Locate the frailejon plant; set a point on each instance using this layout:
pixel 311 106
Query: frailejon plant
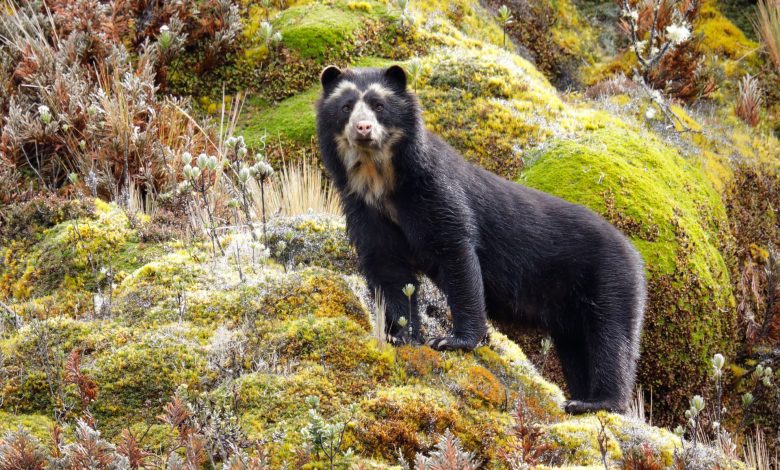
pixel 201 179
pixel 692 414
pixel 760 380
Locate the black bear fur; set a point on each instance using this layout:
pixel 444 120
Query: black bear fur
pixel 496 249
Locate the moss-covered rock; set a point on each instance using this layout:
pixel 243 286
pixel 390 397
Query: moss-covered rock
pixel 311 240
pixel 314 28
pixel 677 222
pixel 138 377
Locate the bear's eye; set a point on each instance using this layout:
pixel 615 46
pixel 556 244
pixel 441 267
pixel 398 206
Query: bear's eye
pixel 379 107
pixel 347 108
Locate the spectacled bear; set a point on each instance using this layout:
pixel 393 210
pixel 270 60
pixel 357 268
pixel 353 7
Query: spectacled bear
pixel 495 248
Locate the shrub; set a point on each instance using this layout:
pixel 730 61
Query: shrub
pixel 81 103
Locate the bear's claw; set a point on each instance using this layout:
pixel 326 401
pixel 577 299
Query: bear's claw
pixel 449 343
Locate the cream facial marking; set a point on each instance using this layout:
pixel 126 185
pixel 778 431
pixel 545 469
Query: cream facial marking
pixel 341 88
pixel 381 91
pixel 370 172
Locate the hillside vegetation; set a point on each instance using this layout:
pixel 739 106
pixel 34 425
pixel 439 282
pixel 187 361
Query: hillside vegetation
pixel 177 289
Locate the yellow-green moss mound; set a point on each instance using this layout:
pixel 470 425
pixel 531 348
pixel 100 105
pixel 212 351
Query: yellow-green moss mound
pixel 260 347
pixel 677 222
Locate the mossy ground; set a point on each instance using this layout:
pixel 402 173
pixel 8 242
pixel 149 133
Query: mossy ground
pixel 302 332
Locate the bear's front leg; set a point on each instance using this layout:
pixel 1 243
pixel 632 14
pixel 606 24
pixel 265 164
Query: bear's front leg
pixel 386 262
pixel 461 279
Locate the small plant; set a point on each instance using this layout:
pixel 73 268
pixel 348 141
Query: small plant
pixel 692 414
pixel 603 439
pixel 301 188
pixel 408 291
pixel 760 378
pixel 20 450
pixel 749 100
pixel 768 27
pixel 505 18
pixel 448 454
pixel 268 36
pixel 131 449
pixel 202 178
pixel 86 387
pixel 717 362
pixel 414 70
pixel 660 37
pixel 263 172
pixel 380 316
pixel 324 436
pixel 405 18
pixel 529 447
pixel 546 347
pixel 642 458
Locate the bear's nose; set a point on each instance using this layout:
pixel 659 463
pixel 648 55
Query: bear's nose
pixel 363 127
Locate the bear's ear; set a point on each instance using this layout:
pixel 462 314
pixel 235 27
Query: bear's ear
pixel 396 76
pixel 329 77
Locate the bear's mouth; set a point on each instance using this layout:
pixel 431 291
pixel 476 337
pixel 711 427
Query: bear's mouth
pixel 365 142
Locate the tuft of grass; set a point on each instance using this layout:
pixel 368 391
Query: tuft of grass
pixel 756 453
pixel 380 309
pixel 749 100
pixel 768 27
pixel 300 188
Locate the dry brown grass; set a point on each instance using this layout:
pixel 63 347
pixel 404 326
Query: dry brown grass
pixel 767 26
pixel 299 188
pixel 749 99
pixel 756 453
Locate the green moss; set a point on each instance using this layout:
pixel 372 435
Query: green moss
pixel 38 425
pixel 34 355
pixel 137 378
pixel 577 438
pixel 720 36
pixel 312 292
pixel 314 29
pixel 489 104
pixel 677 222
pixel 405 418
pixel 163 283
pixel 292 118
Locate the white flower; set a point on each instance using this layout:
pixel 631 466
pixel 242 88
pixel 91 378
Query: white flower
pixel 633 14
pixel 45 113
pixel 677 34
pixel 654 51
pixel 656 96
pixel 650 114
pixel 639 46
pixel 164 28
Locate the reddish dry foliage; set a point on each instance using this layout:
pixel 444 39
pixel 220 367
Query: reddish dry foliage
pixel 87 388
pixel 680 72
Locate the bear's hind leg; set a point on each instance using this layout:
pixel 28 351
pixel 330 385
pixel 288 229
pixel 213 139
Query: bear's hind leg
pixel 611 365
pixel 573 354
